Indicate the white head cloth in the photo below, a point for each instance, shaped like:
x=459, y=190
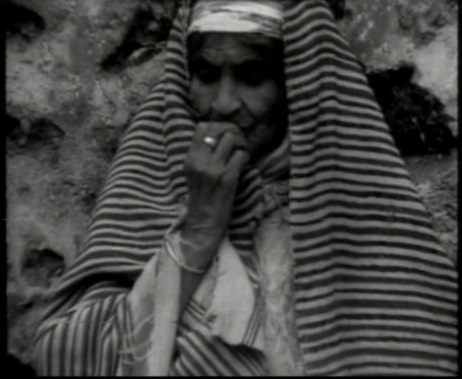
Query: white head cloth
x=238, y=16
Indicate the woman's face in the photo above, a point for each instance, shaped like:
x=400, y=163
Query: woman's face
x=240, y=80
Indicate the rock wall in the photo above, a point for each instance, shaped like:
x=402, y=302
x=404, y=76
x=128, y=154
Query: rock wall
x=76, y=71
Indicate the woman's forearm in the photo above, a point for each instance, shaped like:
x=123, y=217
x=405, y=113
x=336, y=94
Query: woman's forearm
x=167, y=288
x=197, y=251
x=189, y=281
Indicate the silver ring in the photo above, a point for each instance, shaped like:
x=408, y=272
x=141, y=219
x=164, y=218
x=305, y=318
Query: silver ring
x=212, y=142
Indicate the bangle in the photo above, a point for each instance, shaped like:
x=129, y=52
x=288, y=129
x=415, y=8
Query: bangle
x=179, y=261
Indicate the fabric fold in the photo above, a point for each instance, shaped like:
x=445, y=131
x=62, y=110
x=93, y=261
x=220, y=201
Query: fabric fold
x=234, y=313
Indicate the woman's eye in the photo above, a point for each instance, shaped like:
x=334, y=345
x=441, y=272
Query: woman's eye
x=252, y=74
x=253, y=78
x=207, y=74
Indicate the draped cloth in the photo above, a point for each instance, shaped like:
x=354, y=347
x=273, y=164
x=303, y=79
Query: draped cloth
x=237, y=16
x=374, y=292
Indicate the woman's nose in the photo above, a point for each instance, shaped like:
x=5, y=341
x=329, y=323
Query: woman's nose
x=226, y=101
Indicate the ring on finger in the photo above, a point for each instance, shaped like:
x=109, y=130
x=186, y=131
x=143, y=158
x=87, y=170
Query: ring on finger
x=212, y=142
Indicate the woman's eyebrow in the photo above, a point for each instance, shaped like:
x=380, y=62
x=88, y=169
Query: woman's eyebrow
x=254, y=62
x=200, y=61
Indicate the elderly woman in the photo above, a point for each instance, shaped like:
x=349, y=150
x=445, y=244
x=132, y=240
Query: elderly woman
x=257, y=219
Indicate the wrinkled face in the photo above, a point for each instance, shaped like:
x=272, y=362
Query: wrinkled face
x=239, y=79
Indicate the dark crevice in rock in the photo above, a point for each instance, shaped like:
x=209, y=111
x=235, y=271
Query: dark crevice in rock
x=417, y=118
x=22, y=22
x=338, y=8
x=44, y=129
x=24, y=133
x=89, y=202
x=14, y=130
x=40, y=267
x=144, y=39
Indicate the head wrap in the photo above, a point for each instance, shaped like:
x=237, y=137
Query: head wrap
x=238, y=16
x=374, y=292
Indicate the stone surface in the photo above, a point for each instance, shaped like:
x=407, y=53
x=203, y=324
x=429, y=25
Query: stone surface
x=41, y=267
x=76, y=71
x=436, y=179
x=418, y=120
x=385, y=34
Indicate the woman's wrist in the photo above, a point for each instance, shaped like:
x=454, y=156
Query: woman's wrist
x=199, y=245
x=176, y=253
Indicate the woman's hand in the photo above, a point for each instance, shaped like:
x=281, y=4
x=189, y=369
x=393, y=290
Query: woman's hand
x=212, y=174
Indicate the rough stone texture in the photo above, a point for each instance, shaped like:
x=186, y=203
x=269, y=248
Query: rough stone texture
x=387, y=34
x=436, y=179
x=77, y=70
x=417, y=119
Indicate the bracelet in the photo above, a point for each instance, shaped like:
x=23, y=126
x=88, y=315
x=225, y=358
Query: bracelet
x=180, y=262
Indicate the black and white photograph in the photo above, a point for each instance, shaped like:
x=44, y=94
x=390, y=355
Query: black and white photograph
x=231, y=187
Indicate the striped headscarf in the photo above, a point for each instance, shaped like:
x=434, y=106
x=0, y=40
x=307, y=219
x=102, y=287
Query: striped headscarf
x=374, y=291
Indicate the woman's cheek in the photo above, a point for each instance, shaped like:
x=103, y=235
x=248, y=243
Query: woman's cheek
x=201, y=98
x=262, y=102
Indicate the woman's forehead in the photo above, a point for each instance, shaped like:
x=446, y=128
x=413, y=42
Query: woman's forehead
x=233, y=48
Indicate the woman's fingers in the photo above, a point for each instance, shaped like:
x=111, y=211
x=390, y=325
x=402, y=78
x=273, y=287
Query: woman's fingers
x=216, y=130
x=236, y=163
x=213, y=172
x=200, y=133
x=229, y=142
x=225, y=138
x=212, y=162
